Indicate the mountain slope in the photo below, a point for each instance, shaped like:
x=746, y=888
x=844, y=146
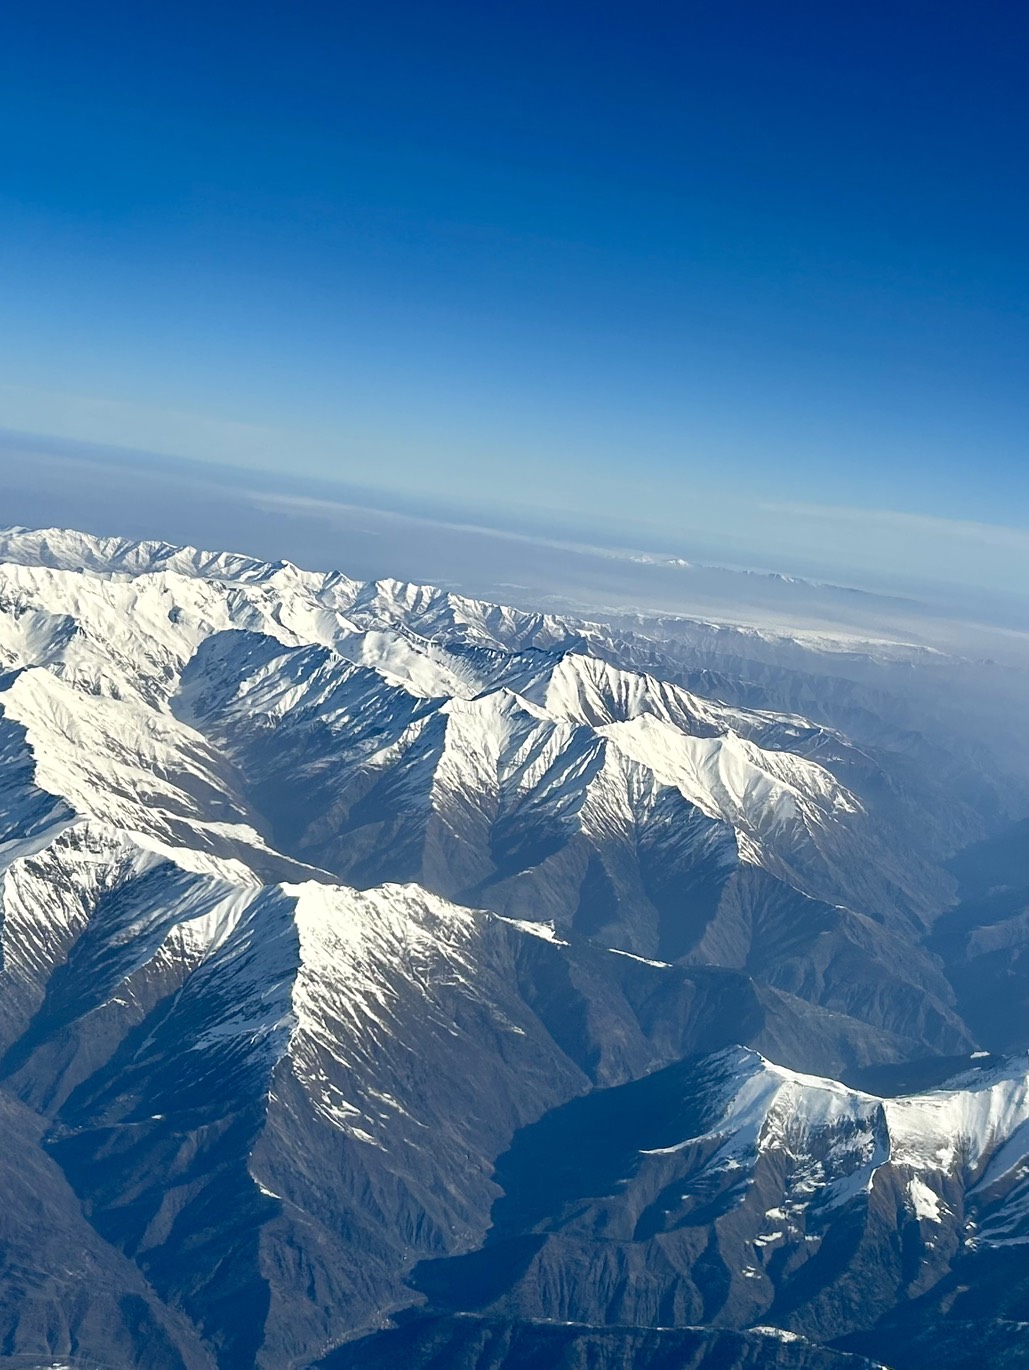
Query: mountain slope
x=364, y=945
x=727, y=1190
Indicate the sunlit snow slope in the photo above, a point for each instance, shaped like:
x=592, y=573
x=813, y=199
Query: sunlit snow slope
x=364, y=945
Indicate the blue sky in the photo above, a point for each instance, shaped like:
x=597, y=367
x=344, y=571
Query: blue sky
x=748, y=274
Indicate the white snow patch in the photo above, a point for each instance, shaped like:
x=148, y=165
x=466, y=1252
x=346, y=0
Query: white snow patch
x=924, y=1201
x=643, y=960
x=545, y=931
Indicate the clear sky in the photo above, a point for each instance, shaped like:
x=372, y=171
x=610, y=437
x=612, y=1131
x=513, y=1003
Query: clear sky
x=747, y=271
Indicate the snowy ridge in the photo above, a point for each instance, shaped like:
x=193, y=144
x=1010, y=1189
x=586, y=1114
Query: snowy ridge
x=308, y=975
x=127, y=624
x=974, y=1130
x=318, y=898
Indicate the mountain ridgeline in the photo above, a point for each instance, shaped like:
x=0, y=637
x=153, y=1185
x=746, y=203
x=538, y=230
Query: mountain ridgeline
x=390, y=978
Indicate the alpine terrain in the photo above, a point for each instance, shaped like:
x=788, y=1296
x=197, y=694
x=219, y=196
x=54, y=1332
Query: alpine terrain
x=394, y=979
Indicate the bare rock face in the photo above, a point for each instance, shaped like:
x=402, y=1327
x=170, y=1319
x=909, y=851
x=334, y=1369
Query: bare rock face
x=392, y=979
x=467, y=1343
x=63, y=1285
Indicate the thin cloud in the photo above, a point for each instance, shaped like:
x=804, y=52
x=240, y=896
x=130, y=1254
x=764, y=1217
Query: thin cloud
x=318, y=506
x=967, y=530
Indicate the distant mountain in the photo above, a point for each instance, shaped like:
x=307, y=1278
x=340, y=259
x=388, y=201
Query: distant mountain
x=393, y=978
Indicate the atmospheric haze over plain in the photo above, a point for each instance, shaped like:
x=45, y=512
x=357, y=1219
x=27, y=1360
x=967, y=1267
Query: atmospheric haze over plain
x=525, y=556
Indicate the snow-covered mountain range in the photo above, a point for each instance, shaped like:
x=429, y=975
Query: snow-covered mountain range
x=393, y=978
